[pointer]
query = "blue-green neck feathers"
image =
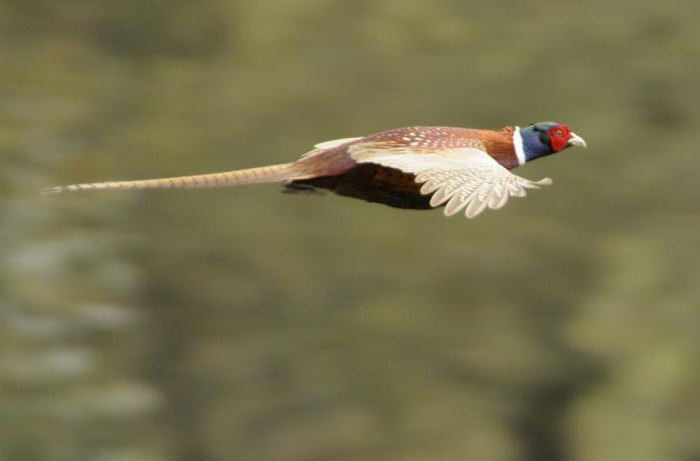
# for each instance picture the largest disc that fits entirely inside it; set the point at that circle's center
(536, 142)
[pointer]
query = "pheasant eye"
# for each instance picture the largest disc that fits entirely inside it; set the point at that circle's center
(559, 133)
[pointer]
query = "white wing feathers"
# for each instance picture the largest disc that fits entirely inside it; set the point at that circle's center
(464, 179)
(335, 143)
(324, 146)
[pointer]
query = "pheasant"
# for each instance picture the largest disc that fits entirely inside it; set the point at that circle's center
(418, 167)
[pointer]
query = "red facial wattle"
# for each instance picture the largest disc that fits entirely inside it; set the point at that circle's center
(559, 137)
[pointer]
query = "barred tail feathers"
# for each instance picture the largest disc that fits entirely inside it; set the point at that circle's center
(263, 174)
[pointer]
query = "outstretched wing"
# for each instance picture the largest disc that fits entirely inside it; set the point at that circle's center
(461, 179)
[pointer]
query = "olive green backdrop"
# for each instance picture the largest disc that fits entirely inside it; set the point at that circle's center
(245, 324)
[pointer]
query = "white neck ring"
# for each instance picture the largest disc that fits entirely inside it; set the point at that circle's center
(518, 144)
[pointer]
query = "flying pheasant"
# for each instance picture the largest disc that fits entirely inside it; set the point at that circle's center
(414, 167)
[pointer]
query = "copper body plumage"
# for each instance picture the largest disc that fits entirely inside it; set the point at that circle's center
(334, 169)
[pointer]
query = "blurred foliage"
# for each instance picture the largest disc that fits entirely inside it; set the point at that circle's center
(247, 324)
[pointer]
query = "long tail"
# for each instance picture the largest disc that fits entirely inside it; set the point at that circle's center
(271, 173)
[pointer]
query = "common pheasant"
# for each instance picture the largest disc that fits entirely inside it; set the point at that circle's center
(413, 167)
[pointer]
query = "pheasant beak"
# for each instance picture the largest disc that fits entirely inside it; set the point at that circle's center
(576, 140)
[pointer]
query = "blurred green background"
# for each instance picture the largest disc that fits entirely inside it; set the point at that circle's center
(245, 324)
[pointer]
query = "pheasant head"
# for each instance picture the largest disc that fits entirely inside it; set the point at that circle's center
(546, 138)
